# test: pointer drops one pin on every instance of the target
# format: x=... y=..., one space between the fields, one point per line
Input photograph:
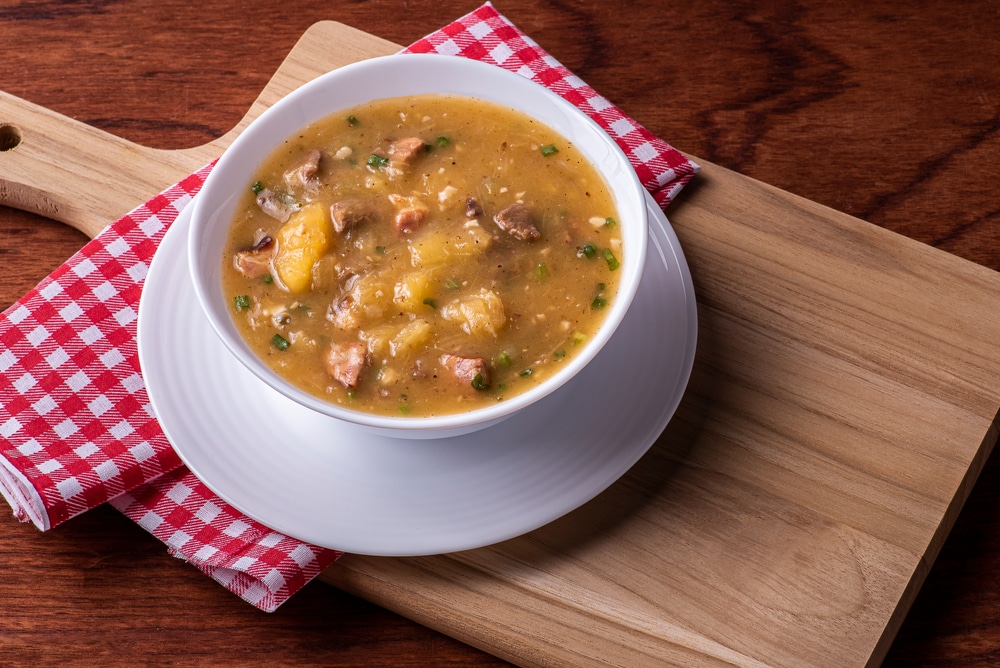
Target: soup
x=422 y=255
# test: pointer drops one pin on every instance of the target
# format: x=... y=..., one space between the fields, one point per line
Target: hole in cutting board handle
x=10 y=137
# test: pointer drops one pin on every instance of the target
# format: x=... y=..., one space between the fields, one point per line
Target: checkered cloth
x=76 y=426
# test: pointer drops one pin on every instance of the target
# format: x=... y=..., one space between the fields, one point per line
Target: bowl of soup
x=420 y=245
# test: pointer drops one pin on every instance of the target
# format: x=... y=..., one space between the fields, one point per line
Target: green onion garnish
x=451 y=284
x=479 y=383
x=526 y=372
x=504 y=358
x=611 y=259
x=598 y=303
x=441 y=142
x=559 y=353
x=242 y=302
x=549 y=149
x=280 y=342
x=257 y=187
x=587 y=250
x=431 y=302
x=609 y=222
x=352 y=120
x=269 y=279
x=380 y=250
x=377 y=161
x=541 y=271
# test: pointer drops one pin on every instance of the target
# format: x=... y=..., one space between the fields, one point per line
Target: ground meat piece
x=345 y=361
x=256 y=261
x=516 y=220
x=472 y=208
x=350 y=213
x=301 y=176
x=274 y=205
x=405 y=151
x=466 y=369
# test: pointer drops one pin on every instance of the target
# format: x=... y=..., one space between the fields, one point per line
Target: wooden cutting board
x=843 y=402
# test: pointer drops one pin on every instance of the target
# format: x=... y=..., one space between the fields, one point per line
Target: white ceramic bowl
x=393 y=76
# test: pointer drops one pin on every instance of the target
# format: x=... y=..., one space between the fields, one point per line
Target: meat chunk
x=516 y=220
x=350 y=213
x=345 y=361
x=472 y=208
x=403 y=152
x=301 y=176
x=275 y=205
x=474 y=371
x=411 y=213
x=255 y=262
x=409 y=220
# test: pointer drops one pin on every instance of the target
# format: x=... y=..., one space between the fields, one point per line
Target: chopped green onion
x=599 y=303
x=451 y=284
x=549 y=149
x=526 y=372
x=404 y=408
x=441 y=142
x=578 y=338
x=377 y=161
x=611 y=259
x=269 y=279
x=280 y=342
x=380 y=250
x=431 y=302
x=587 y=250
x=257 y=187
x=600 y=287
x=479 y=383
x=541 y=271
x=352 y=393
x=352 y=120
x=242 y=302
x=560 y=353
x=610 y=222
x=504 y=358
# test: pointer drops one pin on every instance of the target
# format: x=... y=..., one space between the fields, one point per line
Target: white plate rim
x=337 y=486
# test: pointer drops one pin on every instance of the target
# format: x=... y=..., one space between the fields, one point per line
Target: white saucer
x=334 y=485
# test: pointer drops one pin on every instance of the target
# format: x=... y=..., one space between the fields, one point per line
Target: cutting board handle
x=71 y=172
x=60 y=168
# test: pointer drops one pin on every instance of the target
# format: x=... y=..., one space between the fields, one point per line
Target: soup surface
x=422 y=255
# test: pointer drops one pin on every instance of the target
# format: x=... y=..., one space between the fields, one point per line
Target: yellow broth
x=443 y=253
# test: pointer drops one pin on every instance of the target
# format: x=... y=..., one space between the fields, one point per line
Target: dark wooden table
x=886 y=110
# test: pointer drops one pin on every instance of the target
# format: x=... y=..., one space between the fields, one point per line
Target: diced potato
x=480 y=314
x=435 y=247
x=411 y=337
x=301 y=242
x=377 y=339
x=413 y=288
x=365 y=299
x=324 y=273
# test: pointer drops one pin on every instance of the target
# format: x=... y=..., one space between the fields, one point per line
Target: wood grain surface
x=884 y=111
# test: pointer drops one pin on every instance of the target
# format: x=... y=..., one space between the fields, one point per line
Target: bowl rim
x=215 y=196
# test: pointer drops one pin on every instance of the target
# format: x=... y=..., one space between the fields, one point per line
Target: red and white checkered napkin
x=76 y=427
